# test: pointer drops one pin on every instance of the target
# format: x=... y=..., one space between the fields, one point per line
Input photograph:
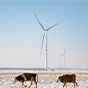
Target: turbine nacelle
x=45 y=31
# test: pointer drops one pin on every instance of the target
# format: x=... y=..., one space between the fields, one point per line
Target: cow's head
x=18 y=78
x=58 y=79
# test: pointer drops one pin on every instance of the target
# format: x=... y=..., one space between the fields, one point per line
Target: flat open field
x=46 y=80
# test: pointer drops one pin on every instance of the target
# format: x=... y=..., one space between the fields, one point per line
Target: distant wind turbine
x=64 y=57
x=45 y=35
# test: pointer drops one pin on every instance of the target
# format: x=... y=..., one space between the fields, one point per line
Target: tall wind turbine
x=64 y=57
x=45 y=35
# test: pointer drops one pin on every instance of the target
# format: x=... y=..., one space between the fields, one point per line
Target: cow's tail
x=37 y=78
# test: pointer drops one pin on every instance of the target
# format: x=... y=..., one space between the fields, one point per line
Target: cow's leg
x=22 y=84
x=73 y=85
x=76 y=83
x=64 y=84
x=36 y=80
x=31 y=84
x=35 y=83
x=31 y=81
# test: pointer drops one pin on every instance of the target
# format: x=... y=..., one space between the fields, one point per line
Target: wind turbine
x=64 y=57
x=45 y=35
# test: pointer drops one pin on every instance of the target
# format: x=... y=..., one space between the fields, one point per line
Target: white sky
x=21 y=34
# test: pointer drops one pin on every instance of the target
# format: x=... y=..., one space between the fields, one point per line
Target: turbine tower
x=64 y=57
x=45 y=35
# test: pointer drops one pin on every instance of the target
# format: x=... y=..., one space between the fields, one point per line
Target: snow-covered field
x=46 y=79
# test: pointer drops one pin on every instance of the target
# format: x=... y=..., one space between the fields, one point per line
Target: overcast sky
x=21 y=35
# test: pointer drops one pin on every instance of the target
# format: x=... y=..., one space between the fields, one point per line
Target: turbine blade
x=39 y=22
x=65 y=59
x=42 y=44
x=64 y=50
x=51 y=27
x=61 y=55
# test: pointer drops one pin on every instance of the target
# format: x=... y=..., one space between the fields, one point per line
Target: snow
x=46 y=79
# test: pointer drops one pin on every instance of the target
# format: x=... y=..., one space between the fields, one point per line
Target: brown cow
x=68 y=78
x=27 y=77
